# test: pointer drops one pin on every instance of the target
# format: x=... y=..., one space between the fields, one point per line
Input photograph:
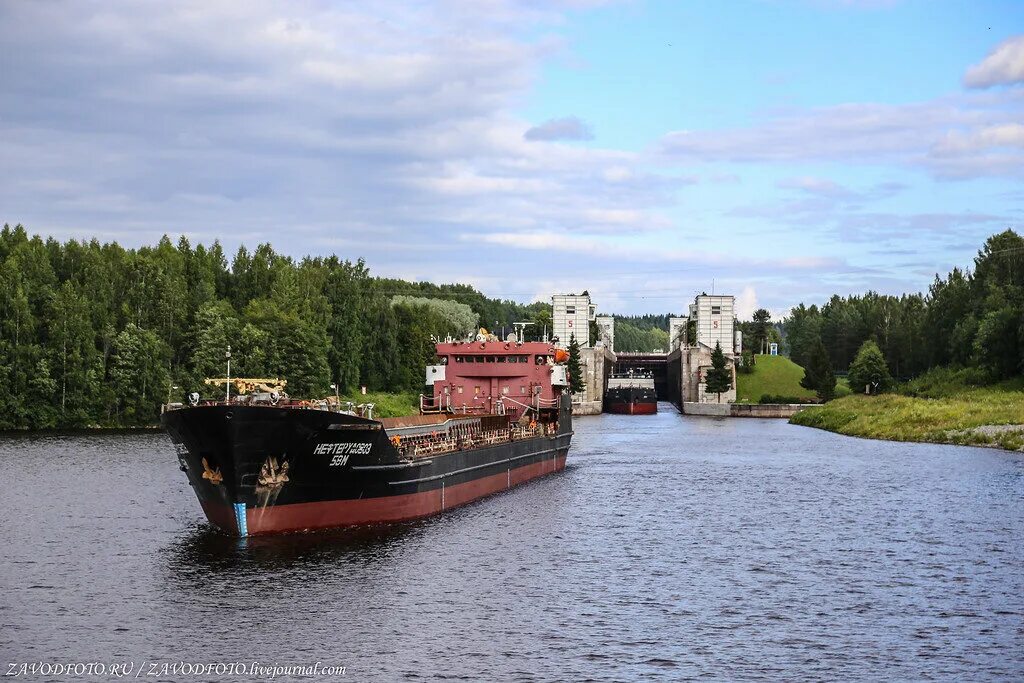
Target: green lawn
x=775 y=375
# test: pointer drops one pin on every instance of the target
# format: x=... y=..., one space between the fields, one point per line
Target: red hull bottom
x=632 y=408
x=341 y=513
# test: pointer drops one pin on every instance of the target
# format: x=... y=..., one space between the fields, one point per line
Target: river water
x=671 y=548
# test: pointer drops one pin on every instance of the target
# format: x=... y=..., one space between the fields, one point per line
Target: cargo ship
x=498 y=414
x=631 y=394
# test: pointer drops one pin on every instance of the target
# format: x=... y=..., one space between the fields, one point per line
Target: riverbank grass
x=979 y=416
x=774 y=376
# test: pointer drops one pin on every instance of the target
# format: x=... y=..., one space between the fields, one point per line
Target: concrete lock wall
x=707 y=409
x=759 y=410
x=785 y=410
x=596 y=364
x=694 y=362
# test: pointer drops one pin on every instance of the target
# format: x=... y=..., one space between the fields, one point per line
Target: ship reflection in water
x=205 y=551
x=669 y=548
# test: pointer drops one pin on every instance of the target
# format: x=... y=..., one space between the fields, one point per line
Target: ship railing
x=430 y=404
x=518 y=403
x=434 y=447
x=467 y=410
x=525 y=406
x=424 y=445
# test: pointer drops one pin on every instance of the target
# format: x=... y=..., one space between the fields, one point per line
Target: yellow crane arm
x=246 y=385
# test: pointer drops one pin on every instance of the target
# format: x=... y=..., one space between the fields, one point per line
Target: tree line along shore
x=97 y=335
x=943 y=367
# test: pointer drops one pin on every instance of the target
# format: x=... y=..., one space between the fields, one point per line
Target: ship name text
x=342 y=451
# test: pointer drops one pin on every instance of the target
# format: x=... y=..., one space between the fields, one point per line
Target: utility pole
x=228 y=356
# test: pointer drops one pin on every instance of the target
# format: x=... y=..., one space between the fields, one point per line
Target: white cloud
x=746 y=303
x=912 y=135
x=816 y=186
x=340 y=118
x=617 y=174
x=1003 y=66
x=981 y=139
x=569 y=128
x=652 y=251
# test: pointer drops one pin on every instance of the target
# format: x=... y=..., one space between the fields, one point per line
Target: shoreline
x=981 y=417
x=388 y=404
x=994 y=446
x=78 y=431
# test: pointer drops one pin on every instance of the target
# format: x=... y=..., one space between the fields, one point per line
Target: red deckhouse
x=496 y=376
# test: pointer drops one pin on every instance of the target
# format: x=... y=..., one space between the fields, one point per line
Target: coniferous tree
x=818 y=375
x=719 y=378
x=573 y=366
x=760 y=329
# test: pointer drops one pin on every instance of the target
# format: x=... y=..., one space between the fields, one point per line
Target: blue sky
x=782 y=150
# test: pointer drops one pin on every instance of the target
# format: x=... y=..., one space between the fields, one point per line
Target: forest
x=96 y=334
x=641 y=332
x=970 y=319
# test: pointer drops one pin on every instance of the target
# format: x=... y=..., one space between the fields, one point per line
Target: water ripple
x=671 y=548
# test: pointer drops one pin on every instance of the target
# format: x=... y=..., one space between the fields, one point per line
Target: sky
x=779 y=150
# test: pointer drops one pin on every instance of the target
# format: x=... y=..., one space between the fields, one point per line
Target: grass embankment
x=774 y=376
x=942 y=411
x=388 y=404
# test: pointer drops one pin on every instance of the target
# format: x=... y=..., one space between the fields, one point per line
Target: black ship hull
x=631 y=401
x=262 y=469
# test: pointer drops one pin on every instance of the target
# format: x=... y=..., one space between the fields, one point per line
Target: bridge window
x=523 y=359
x=502 y=359
x=458 y=359
x=570 y=310
x=716 y=310
x=490 y=359
x=478 y=359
